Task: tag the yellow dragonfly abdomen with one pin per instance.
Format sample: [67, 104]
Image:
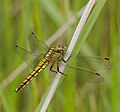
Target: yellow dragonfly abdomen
[42, 65]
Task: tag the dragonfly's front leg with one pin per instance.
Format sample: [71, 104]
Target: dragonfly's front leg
[59, 70]
[66, 60]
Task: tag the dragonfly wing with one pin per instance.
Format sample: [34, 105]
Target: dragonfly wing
[30, 58]
[37, 46]
[95, 64]
[84, 75]
[88, 69]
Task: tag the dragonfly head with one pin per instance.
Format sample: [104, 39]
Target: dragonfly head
[61, 49]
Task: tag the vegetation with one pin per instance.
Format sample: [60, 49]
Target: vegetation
[100, 37]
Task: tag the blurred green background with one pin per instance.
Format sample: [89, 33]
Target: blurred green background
[100, 37]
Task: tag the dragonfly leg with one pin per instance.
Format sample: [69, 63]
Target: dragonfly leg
[66, 60]
[52, 67]
[59, 70]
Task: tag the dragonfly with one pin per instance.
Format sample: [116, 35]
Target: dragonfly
[40, 56]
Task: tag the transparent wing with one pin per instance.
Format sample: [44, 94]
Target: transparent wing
[30, 58]
[36, 46]
[84, 75]
[37, 49]
[95, 64]
[88, 69]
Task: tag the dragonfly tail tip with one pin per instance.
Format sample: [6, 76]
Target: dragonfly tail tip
[15, 91]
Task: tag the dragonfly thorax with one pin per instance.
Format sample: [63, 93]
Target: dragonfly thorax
[56, 53]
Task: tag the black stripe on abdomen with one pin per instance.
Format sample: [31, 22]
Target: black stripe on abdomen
[33, 74]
